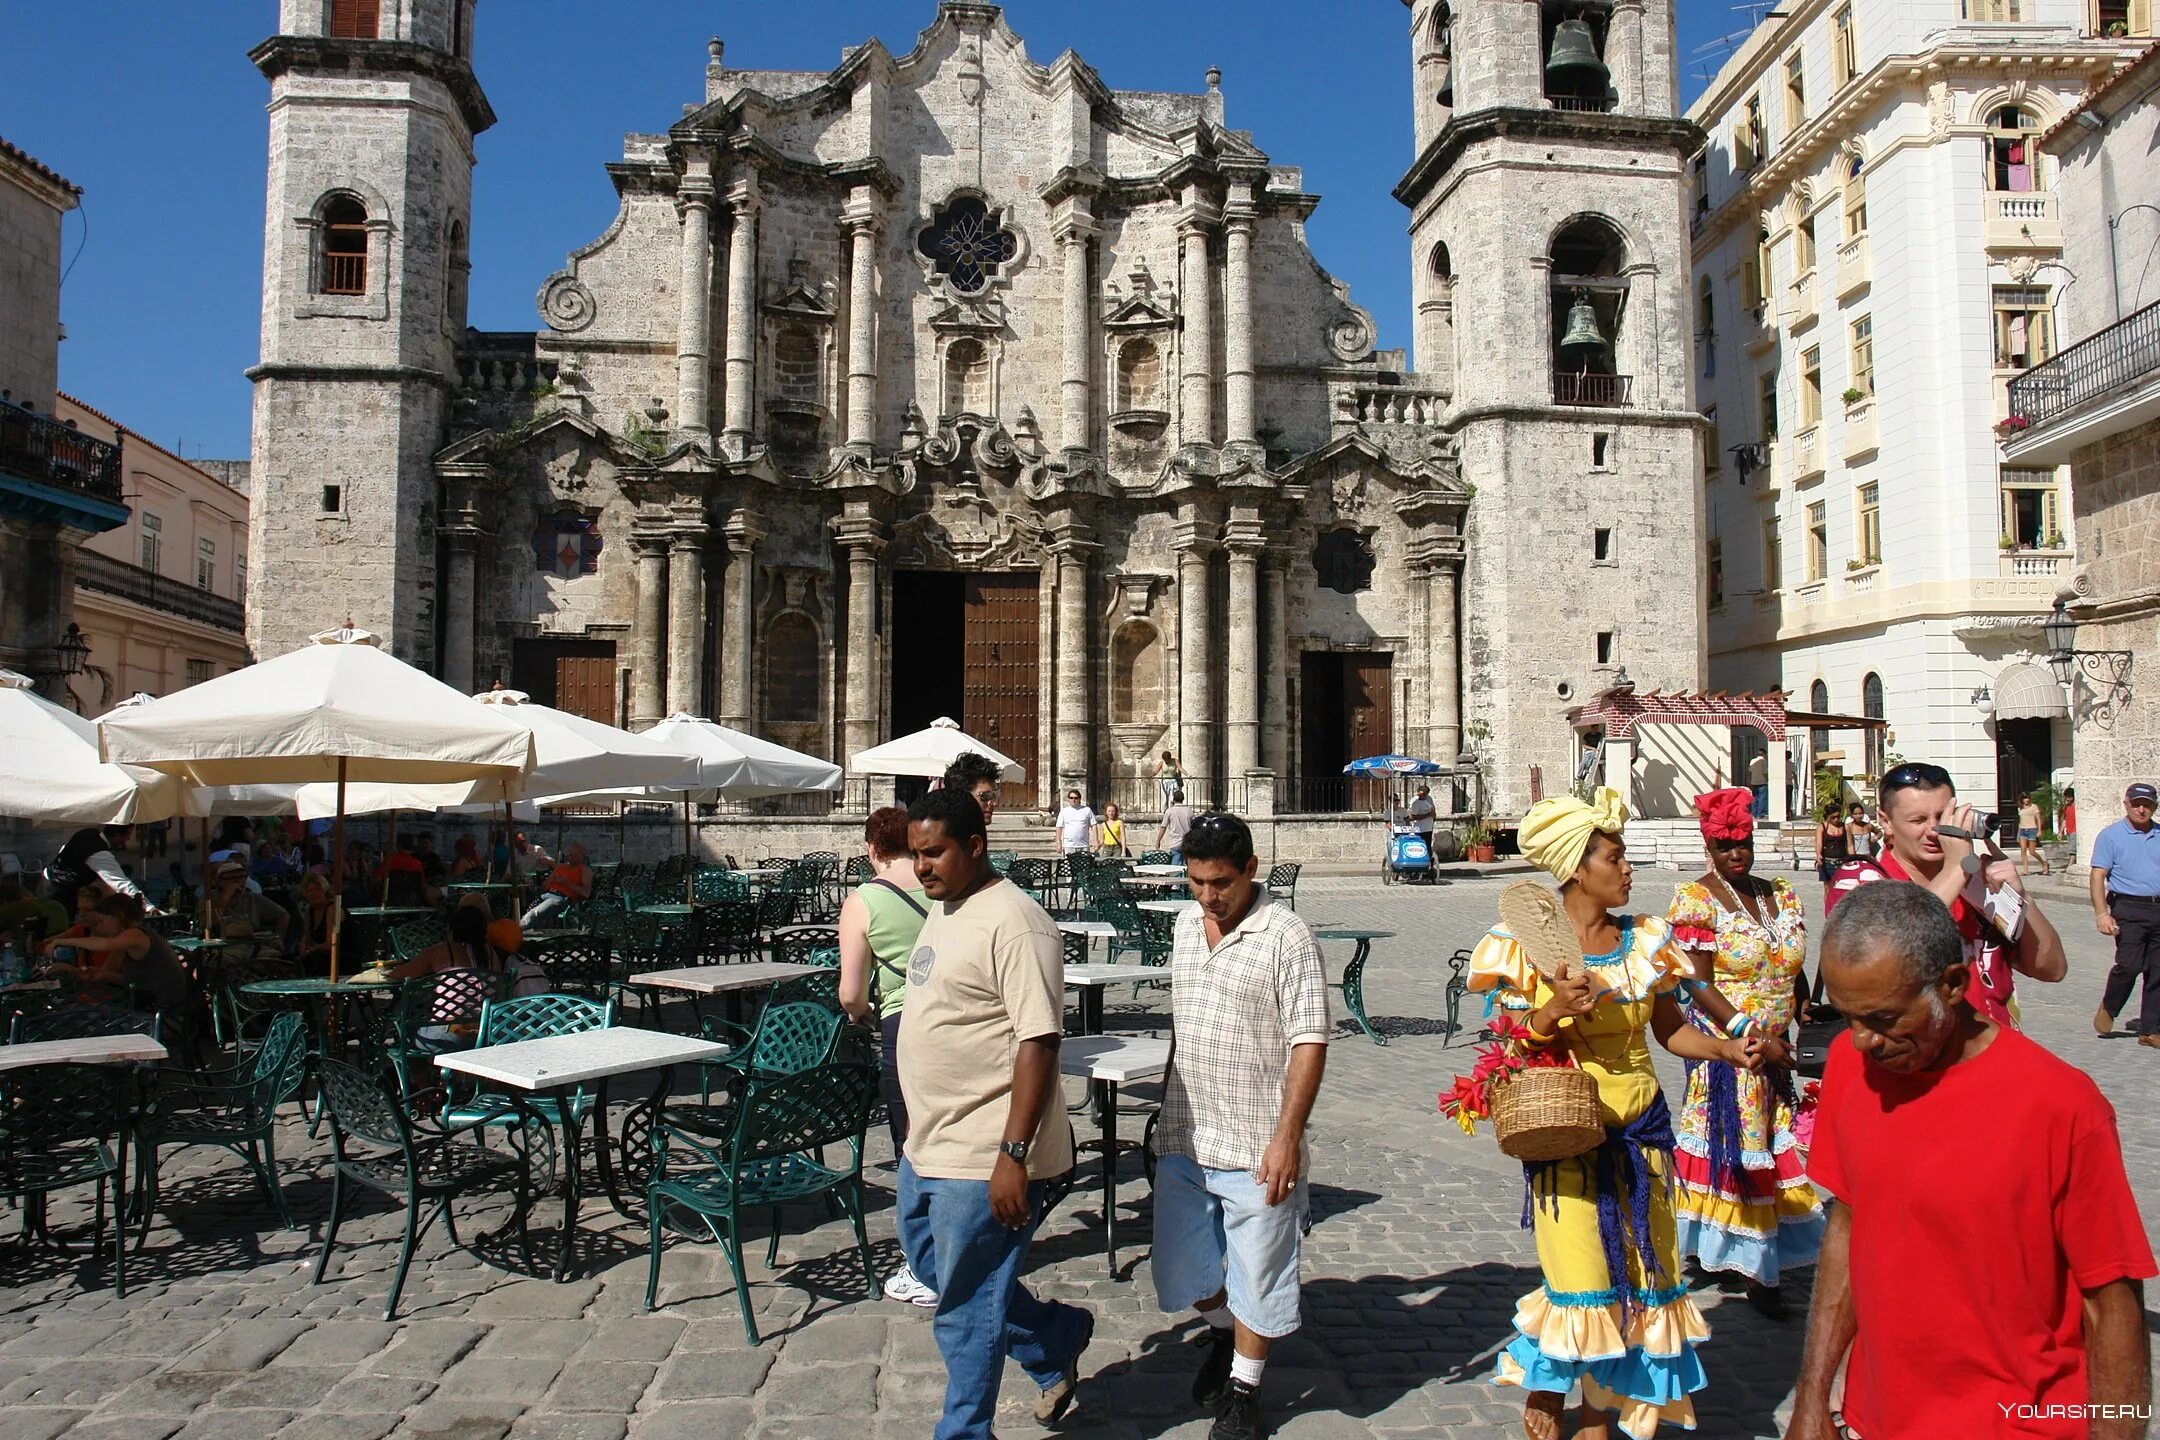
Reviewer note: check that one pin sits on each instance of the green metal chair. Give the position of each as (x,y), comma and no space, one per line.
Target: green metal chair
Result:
(1137,934)
(579,967)
(1157,857)
(423,1164)
(528,1017)
(434,1015)
(1458,986)
(790,1036)
(416,935)
(1002,860)
(1282,882)
(771,1158)
(1036,876)
(808,945)
(238,1020)
(716,884)
(234,1108)
(62,1126)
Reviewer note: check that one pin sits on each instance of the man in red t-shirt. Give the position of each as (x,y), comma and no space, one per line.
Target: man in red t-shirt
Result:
(1983,1261)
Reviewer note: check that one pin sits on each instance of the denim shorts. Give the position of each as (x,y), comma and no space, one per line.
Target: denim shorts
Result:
(1214,1230)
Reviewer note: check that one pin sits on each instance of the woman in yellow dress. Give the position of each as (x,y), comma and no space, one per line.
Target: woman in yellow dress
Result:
(1613,1314)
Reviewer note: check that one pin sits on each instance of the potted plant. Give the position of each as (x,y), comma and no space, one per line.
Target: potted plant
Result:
(1477,839)
(2008,542)
(2011,425)
(2054,540)
(1854,395)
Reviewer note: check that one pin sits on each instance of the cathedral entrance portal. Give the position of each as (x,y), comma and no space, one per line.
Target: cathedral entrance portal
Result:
(573,675)
(967,646)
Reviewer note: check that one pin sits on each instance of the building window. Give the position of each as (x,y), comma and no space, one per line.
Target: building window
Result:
(1804,247)
(1844,47)
(2031,509)
(1604,647)
(1810,387)
(1995,12)
(206,564)
(1601,546)
(1699,177)
(199,671)
(333,499)
(239,574)
(2013,150)
(153,541)
(1714,570)
(2119,18)
(1343,562)
(968,244)
(1871,705)
(1863,355)
(1855,200)
(1818,695)
(1713,451)
(1773,557)
(1870,525)
(1748,147)
(1706,326)
(2024,326)
(355,19)
(1766,404)
(343,263)
(1795,92)
(1818,541)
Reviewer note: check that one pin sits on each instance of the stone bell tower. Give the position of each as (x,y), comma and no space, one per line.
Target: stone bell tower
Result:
(373,110)
(1549,254)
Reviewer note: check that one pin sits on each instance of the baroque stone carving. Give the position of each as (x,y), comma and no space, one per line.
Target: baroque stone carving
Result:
(566,304)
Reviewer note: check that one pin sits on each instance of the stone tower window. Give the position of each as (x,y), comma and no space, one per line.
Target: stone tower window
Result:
(1139,376)
(1589,302)
(355,20)
(967,244)
(967,378)
(342,265)
(1571,51)
(1343,562)
(460,271)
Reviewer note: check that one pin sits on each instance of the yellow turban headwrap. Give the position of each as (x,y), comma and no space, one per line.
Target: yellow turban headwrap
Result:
(1556,832)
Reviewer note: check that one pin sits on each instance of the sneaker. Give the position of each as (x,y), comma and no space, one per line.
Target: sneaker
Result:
(1237,1417)
(2103,1023)
(1051,1405)
(902,1285)
(1208,1385)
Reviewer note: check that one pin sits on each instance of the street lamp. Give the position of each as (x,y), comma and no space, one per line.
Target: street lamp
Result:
(2106,671)
(71,652)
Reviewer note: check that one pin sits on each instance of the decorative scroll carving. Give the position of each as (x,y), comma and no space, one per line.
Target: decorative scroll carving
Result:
(566,304)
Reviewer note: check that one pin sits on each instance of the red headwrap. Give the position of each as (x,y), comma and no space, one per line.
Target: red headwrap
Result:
(1726,814)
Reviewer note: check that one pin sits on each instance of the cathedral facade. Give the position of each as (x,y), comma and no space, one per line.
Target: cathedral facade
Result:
(952,383)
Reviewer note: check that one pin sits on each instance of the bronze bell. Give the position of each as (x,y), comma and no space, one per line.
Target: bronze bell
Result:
(1582,328)
(1574,55)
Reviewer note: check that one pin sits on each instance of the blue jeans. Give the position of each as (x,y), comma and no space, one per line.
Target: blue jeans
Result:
(958,1248)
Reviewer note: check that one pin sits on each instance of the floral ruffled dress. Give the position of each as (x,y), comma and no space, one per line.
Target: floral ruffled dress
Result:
(1629,1339)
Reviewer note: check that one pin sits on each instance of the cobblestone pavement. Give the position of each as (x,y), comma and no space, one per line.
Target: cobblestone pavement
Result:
(1411,1272)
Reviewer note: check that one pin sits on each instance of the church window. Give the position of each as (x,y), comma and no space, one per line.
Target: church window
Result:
(967,378)
(1139,381)
(1601,546)
(1343,562)
(333,499)
(791,669)
(967,244)
(1604,647)
(355,19)
(344,260)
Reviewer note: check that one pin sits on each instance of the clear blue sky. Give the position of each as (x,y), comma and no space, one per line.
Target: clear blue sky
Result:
(153,109)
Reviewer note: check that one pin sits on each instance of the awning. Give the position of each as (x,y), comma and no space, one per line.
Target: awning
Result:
(2026,691)
(1817,720)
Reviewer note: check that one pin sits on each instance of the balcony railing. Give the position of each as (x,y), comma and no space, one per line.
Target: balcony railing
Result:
(41,449)
(2126,352)
(2024,217)
(344,273)
(1582,104)
(1575,388)
(1852,262)
(129,582)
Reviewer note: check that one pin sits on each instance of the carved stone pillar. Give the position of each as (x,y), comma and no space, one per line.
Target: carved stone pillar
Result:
(460,543)
(686,623)
(1443,666)
(738,620)
(648,638)
(1241,742)
(1238,422)
(863,539)
(1074,233)
(741,319)
(1275,666)
(1073,729)
(1624,54)
(862,225)
(1436,334)
(1196,656)
(1196,289)
(693,328)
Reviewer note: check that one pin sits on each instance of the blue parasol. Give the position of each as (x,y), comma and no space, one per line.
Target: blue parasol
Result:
(1385,765)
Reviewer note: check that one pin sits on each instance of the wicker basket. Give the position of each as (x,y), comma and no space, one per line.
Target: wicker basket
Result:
(1547,1113)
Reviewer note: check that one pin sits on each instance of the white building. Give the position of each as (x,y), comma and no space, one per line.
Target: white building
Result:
(1878,251)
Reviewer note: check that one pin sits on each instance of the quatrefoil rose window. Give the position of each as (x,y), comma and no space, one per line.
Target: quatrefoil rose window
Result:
(966,244)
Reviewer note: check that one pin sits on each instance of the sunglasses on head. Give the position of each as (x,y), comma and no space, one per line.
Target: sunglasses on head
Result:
(1916,776)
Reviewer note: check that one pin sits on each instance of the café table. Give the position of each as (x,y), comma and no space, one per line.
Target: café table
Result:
(1089,931)
(83,1050)
(1091,980)
(1106,1062)
(379,921)
(1169,907)
(729,981)
(1157,871)
(317,992)
(557,1066)
(1352,983)
(1155,882)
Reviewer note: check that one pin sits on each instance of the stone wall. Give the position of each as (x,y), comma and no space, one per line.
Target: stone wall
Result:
(29,288)
(2118,511)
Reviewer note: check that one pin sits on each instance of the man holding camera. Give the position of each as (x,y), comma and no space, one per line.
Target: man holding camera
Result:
(1932,841)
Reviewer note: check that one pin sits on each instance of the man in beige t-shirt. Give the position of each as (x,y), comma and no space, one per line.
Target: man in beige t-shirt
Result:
(978,1068)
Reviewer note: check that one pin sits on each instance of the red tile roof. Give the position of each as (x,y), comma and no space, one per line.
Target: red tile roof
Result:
(2142,65)
(37,166)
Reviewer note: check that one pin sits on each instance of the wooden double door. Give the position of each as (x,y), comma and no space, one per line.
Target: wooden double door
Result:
(573,675)
(969,646)
(1347,712)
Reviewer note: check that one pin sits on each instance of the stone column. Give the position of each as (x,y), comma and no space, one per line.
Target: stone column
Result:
(1238,422)
(1074,232)
(862,226)
(648,640)
(1196,651)
(693,327)
(686,623)
(863,539)
(1778,774)
(1624,54)
(741,319)
(738,620)
(1443,665)
(1275,750)
(1241,744)
(1073,730)
(1196,290)
(461,542)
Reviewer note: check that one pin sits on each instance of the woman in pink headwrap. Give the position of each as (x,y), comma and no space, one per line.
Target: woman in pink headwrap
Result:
(1745,1204)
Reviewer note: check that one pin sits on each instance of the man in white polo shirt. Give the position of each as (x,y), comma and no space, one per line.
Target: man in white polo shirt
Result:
(1250,1016)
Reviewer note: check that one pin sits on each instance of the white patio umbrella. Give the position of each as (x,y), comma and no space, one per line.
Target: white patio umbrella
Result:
(338,709)
(929,752)
(51,772)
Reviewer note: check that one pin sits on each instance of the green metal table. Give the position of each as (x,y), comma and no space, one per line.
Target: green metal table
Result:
(1352,983)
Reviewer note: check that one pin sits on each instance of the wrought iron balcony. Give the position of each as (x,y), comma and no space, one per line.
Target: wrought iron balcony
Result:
(1576,388)
(41,450)
(144,587)
(2122,355)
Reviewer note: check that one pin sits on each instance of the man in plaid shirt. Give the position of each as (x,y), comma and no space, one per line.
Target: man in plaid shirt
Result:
(1250,1015)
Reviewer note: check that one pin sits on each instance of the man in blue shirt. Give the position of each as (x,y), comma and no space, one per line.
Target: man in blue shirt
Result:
(2126,905)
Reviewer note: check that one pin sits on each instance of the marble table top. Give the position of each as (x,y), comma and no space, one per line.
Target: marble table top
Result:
(1115,1058)
(82,1050)
(562,1060)
(714,979)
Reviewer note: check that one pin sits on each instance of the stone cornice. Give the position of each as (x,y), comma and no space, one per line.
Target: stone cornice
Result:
(302,371)
(1523,122)
(320,54)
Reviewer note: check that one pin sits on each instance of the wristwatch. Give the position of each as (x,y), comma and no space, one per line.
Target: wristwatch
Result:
(1017,1149)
